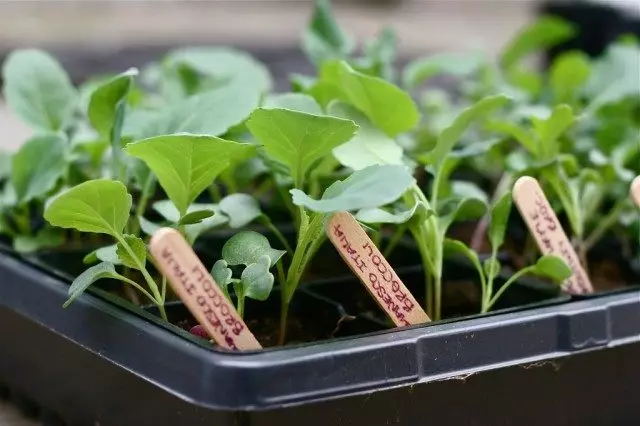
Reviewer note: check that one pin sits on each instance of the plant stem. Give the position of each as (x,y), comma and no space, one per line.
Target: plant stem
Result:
(604,225)
(266,221)
(284,313)
(141,208)
(241,305)
(480,232)
(504,288)
(395,239)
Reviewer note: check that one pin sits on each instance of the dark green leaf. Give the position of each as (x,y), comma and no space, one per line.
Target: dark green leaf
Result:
(246,247)
(194,217)
(553,267)
(138,258)
(499,219)
(105,102)
(84,280)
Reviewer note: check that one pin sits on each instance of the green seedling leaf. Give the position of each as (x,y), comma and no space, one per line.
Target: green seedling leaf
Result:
(370,187)
(5,164)
(45,238)
(101,206)
(457,209)
(614,76)
(452,134)
(458,248)
(553,267)
(84,280)
(221,274)
(138,258)
(546,32)
(464,189)
(388,107)
(37,166)
(522,135)
(298,139)
(458,64)
(492,267)
(324,39)
(104,254)
(369,146)
(38,89)
(108,102)
(551,129)
(195,217)
(246,247)
(293,101)
(378,215)
(192,231)
(256,280)
(499,218)
(568,74)
(186,164)
(241,209)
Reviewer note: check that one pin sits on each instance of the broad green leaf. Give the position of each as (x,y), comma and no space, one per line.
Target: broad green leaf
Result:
(568,74)
(378,215)
(101,206)
(551,129)
(458,64)
(458,248)
(38,90)
(241,209)
(456,209)
(195,217)
(298,139)
(452,134)
(45,238)
(107,254)
(370,187)
(186,164)
(499,219)
(369,146)
(323,38)
(492,267)
(553,267)
(246,247)
(388,107)
(546,32)
(138,258)
(84,280)
(256,279)
(37,166)
(222,276)
(295,102)
(105,102)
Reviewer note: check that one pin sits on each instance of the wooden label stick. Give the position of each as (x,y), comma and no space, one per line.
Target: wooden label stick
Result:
(366,261)
(199,292)
(545,228)
(635,191)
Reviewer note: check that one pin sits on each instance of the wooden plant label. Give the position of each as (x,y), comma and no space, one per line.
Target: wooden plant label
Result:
(545,227)
(635,191)
(199,292)
(366,261)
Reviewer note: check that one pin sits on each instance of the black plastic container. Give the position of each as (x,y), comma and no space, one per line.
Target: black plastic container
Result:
(557,363)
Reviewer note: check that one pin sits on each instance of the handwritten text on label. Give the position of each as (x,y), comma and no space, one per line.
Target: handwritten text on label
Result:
(635,190)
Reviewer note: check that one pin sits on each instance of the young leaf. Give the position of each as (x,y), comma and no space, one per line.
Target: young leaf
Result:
(297,139)
(221,273)
(456,209)
(101,206)
(37,166)
(107,254)
(550,130)
(457,64)
(542,34)
(369,146)
(523,136)
(246,247)
(256,279)
(192,231)
(492,267)
(324,39)
(186,164)
(38,90)
(370,187)
(452,134)
(378,215)
(569,72)
(241,209)
(88,277)
(499,217)
(455,247)
(194,217)
(45,238)
(553,267)
(293,101)
(139,251)
(105,102)
(387,106)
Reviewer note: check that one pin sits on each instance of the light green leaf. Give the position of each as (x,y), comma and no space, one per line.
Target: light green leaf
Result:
(169,211)
(492,267)
(138,259)
(458,248)
(369,146)
(499,219)
(222,276)
(370,187)
(378,215)
(615,76)
(551,129)
(256,280)
(295,102)
(101,206)
(388,107)
(553,267)
(569,72)
(45,238)
(107,254)
(37,166)
(38,90)
(459,64)
(84,280)
(522,135)
(542,34)
(324,39)
(456,209)
(105,101)
(298,139)
(453,133)
(194,217)
(465,189)
(246,247)
(147,226)
(241,209)
(186,164)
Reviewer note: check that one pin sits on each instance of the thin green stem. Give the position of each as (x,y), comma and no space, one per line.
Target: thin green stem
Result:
(138,287)
(604,225)
(141,207)
(241,299)
(395,239)
(163,291)
(506,285)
